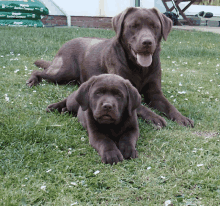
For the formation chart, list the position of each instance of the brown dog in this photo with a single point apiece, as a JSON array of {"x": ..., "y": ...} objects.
[
  {"x": 106, "y": 106},
  {"x": 133, "y": 54}
]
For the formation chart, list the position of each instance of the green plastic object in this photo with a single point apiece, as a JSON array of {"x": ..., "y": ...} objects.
[
  {"x": 21, "y": 23},
  {"x": 18, "y": 15},
  {"x": 28, "y": 6}
]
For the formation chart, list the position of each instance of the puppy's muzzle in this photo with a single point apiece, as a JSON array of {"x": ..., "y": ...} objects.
[{"x": 107, "y": 106}]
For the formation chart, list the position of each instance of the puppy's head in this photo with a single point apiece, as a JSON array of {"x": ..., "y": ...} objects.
[
  {"x": 108, "y": 96},
  {"x": 140, "y": 30}
]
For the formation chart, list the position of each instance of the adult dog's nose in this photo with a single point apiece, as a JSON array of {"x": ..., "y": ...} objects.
[
  {"x": 107, "y": 106},
  {"x": 147, "y": 42}
]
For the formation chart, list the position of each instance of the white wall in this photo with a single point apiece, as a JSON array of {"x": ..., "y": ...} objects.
[
  {"x": 107, "y": 8},
  {"x": 110, "y": 8}
]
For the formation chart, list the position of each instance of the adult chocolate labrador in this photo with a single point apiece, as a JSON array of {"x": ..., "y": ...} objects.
[
  {"x": 106, "y": 106},
  {"x": 133, "y": 54}
]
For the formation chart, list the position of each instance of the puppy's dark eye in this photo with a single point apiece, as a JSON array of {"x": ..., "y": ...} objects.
[
  {"x": 118, "y": 95},
  {"x": 136, "y": 25}
]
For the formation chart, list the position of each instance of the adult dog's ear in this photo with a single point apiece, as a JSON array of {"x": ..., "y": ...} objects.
[
  {"x": 166, "y": 23},
  {"x": 117, "y": 21},
  {"x": 82, "y": 96},
  {"x": 134, "y": 98}
]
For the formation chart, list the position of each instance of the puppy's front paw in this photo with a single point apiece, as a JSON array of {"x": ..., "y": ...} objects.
[
  {"x": 112, "y": 156},
  {"x": 55, "y": 106},
  {"x": 128, "y": 151},
  {"x": 33, "y": 81}
]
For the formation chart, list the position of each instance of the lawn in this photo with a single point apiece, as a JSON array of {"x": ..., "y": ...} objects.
[{"x": 46, "y": 159}]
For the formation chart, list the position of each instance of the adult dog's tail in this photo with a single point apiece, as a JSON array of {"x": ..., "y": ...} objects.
[{"x": 42, "y": 63}]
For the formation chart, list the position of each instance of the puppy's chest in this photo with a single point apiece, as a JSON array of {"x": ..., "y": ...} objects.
[{"x": 113, "y": 133}]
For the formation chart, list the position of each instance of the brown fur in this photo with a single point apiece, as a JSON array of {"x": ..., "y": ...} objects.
[
  {"x": 138, "y": 31},
  {"x": 106, "y": 106}
]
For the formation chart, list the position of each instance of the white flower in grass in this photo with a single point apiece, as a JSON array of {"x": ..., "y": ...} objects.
[
  {"x": 180, "y": 84},
  {"x": 173, "y": 62},
  {"x": 2, "y": 56},
  {"x": 75, "y": 203},
  {"x": 199, "y": 63},
  {"x": 171, "y": 96},
  {"x": 34, "y": 91},
  {"x": 199, "y": 165},
  {"x": 148, "y": 168},
  {"x": 73, "y": 183},
  {"x": 174, "y": 100},
  {"x": 16, "y": 71},
  {"x": 183, "y": 92},
  {"x": 198, "y": 90},
  {"x": 6, "y": 98},
  {"x": 83, "y": 139},
  {"x": 210, "y": 80},
  {"x": 181, "y": 75},
  {"x": 18, "y": 54},
  {"x": 49, "y": 170},
  {"x": 3, "y": 67},
  {"x": 25, "y": 68},
  {"x": 96, "y": 172},
  {"x": 168, "y": 57},
  {"x": 162, "y": 177},
  {"x": 43, "y": 187},
  {"x": 167, "y": 203},
  {"x": 217, "y": 65},
  {"x": 194, "y": 150}
]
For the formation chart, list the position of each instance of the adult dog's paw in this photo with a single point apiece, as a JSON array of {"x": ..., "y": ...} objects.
[
  {"x": 112, "y": 156},
  {"x": 157, "y": 120},
  {"x": 182, "y": 120}
]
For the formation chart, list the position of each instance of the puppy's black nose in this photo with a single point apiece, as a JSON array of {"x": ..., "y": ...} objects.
[
  {"x": 107, "y": 106},
  {"x": 147, "y": 42}
]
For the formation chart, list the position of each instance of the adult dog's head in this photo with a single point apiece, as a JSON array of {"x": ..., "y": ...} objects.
[
  {"x": 109, "y": 97},
  {"x": 140, "y": 31}
]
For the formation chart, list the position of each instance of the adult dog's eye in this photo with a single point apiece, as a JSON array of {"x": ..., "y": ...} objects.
[{"x": 99, "y": 93}]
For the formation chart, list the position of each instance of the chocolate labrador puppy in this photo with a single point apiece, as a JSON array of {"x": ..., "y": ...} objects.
[
  {"x": 106, "y": 106},
  {"x": 134, "y": 54}
]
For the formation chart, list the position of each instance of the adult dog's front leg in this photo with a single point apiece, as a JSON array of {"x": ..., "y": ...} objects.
[
  {"x": 149, "y": 116},
  {"x": 159, "y": 102}
]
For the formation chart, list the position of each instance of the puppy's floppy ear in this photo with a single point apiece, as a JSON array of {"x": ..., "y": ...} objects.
[
  {"x": 134, "y": 98},
  {"x": 117, "y": 21},
  {"x": 166, "y": 23},
  {"x": 82, "y": 96}
]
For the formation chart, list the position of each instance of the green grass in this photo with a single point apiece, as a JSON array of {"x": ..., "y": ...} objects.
[{"x": 46, "y": 159}]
